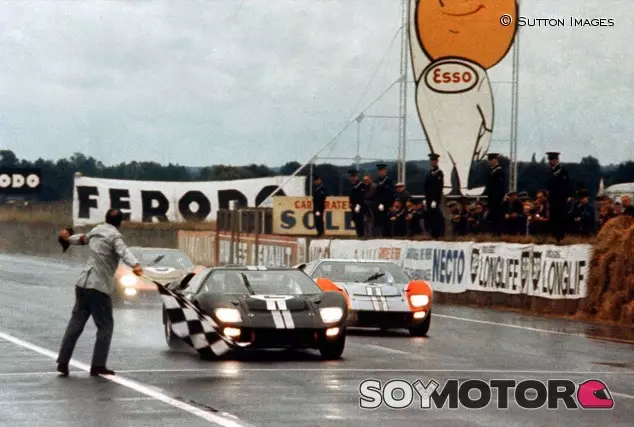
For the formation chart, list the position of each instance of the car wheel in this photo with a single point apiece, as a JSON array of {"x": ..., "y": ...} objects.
[
  {"x": 171, "y": 339},
  {"x": 422, "y": 329},
  {"x": 332, "y": 350}
]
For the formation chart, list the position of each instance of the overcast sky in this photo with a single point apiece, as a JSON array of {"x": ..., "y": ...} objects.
[{"x": 269, "y": 81}]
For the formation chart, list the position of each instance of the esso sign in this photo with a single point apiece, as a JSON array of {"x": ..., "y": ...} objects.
[
  {"x": 451, "y": 77},
  {"x": 19, "y": 181}
]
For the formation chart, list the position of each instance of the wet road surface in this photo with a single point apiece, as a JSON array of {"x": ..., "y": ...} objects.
[{"x": 156, "y": 387}]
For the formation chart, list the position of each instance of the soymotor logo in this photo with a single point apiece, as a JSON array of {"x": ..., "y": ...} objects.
[{"x": 477, "y": 394}]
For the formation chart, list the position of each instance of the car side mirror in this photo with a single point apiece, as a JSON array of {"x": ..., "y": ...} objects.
[{"x": 300, "y": 267}]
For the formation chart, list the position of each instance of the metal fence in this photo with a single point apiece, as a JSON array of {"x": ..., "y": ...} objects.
[{"x": 252, "y": 221}]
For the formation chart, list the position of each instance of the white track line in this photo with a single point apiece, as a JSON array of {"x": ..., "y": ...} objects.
[
  {"x": 627, "y": 396},
  {"x": 528, "y": 328},
  {"x": 234, "y": 370},
  {"x": 133, "y": 385}
]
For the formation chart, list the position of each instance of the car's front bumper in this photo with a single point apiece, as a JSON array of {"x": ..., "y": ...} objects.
[
  {"x": 384, "y": 319},
  {"x": 261, "y": 338}
]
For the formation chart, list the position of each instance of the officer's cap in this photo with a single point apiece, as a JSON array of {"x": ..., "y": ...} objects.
[
  {"x": 353, "y": 172},
  {"x": 492, "y": 156},
  {"x": 553, "y": 155},
  {"x": 434, "y": 156},
  {"x": 381, "y": 166},
  {"x": 399, "y": 184}
]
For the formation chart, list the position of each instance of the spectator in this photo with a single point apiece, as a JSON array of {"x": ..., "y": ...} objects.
[
  {"x": 540, "y": 217},
  {"x": 584, "y": 216},
  {"x": 628, "y": 209},
  {"x": 397, "y": 219},
  {"x": 529, "y": 220},
  {"x": 513, "y": 211},
  {"x": 618, "y": 209},
  {"x": 434, "y": 184},
  {"x": 606, "y": 212},
  {"x": 458, "y": 219},
  {"x": 369, "y": 197},
  {"x": 413, "y": 217},
  {"x": 401, "y": 194},
  {"x": 383, "y": 198},
  {"x": 475, "y": 219},
  {"x": 319, "y": 204},
  {"x": 494, "y": 191}
]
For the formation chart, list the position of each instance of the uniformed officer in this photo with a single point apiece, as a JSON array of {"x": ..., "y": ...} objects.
[
  {"x": 434, "y": 183},
  {"x": 319, "y": 204},
  {"x": 357, "y": 201},
  {"x": 495, "y": 190},
  {"x": 559, "y": 193},
  {"x": 384, "y": 199}
]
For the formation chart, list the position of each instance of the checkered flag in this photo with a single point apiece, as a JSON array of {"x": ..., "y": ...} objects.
[{"x": 192, "y": 326}]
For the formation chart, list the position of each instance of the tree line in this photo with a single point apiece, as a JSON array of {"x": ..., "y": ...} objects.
[{"x": 57, "y": 176}]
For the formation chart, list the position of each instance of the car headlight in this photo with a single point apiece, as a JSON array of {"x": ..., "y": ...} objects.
[
  {"x": 128, "y": 280},
  {"x": 331, "y": 314},
  {"x": 419, "y": 300},
  {"x": 228, "y": 315}
]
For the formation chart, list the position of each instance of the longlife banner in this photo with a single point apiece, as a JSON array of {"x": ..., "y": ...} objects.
[
  {"x": 158, "y": 201},
  {"x": 294, "y": 216},
  {"x": 547, "y": 271}
]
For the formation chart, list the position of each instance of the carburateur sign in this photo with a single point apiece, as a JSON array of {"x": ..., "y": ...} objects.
[
  {"x": 158, "y": 201},
  {"x": 547, "y": 271},
  {"x": 294, "y": 216}
]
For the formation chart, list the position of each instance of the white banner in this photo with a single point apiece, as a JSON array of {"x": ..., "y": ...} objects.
[
  {"x": 393, "y": 250},
  {"x": 158, "y": 201},
  {"x": 444, "y": 265},
  {"x": 546, "y": 271}
]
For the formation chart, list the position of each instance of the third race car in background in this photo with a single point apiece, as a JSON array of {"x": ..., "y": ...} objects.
[
  {"x": 379, "y": 293},
  {"x": 160, "y": 264}
]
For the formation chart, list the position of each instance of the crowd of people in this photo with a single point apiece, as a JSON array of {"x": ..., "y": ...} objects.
[{"x": 382, "y": 209}]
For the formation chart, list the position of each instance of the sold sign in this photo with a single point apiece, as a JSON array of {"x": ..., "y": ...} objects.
[{"x": 20, "y": 180}]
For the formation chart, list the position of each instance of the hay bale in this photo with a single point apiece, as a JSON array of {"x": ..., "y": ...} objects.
[{"x": 611, "y": 281}]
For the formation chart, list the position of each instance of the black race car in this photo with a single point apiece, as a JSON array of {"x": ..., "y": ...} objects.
[{"x": 259, "y": 308}]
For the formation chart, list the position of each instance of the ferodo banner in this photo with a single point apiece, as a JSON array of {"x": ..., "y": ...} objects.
[
  {"x": 157, "y": 201},
  {"x": 553, "y": 272},
  {"x": 294, "y": 216}
]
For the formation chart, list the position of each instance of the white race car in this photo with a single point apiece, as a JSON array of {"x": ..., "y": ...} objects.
[{"x": 379, "y": 293}]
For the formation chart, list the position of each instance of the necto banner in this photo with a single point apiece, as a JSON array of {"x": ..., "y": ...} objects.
[
  {"x": 294, "y": 216},
  {"x": 158, "y": 201}
]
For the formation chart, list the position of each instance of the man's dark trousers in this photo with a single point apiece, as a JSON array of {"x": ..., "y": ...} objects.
[{"x": 89, "y": 302}]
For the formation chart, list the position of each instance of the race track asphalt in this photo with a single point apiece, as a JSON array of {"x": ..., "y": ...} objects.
[{"x": 157, "y": 387}]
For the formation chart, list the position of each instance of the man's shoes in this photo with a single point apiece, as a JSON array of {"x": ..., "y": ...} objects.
[
  {"x": 95, "y": 371},
  {"x": 62, "y": 368}
]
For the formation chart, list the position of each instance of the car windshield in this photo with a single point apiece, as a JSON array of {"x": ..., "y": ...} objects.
[
  {"x": 362, "y": 272},
  {"x": 174, "y": 259},
  {"x": 261, "y": 282}
]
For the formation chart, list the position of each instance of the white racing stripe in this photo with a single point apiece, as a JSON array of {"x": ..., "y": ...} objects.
[
  {"x": 381, "y": 298},
  {"x": 133, "y": 385},
  {"x": 286, "y": 314},
  {"x": 277, "y": 316},
  {"x": 375, "y": 301}
]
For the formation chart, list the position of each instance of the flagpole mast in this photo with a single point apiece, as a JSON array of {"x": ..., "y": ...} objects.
[{"x": 402, "y": 143}]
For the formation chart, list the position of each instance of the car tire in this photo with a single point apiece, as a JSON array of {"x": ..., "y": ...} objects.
[
  {"x": 172, "y": 340},
  {"x": 332, "y": 350},
  {"x": 422, "y": 329}
]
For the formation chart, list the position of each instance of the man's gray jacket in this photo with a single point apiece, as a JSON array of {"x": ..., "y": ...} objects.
[{"x": 106, "y": 249}]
